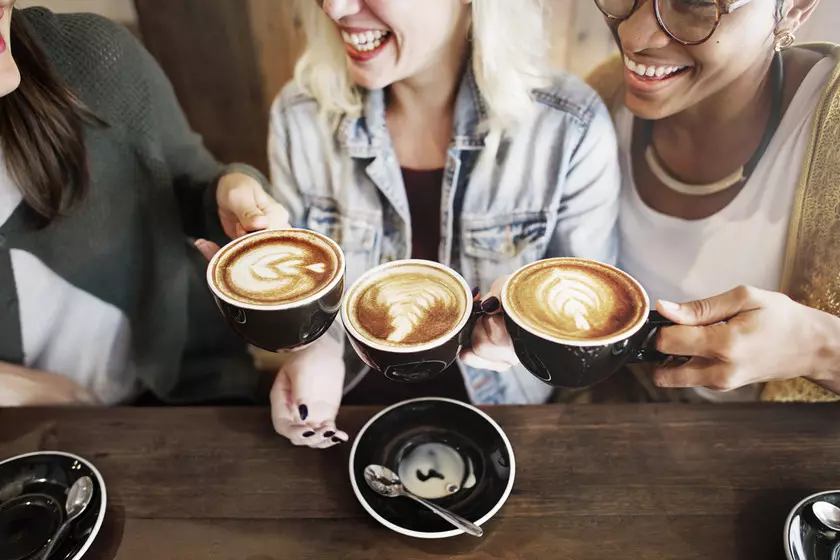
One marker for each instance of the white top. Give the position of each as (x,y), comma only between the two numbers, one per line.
(64,329)
(683,260)
(743,244)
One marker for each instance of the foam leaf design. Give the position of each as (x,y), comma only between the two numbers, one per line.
(283,268)
(571,296)
(409,304)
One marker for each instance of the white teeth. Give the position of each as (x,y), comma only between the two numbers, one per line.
(650,71)
(366,40)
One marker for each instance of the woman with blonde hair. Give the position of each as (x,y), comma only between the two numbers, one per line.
(434,130)
(731,176)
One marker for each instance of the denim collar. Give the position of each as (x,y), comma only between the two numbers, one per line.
(365,136)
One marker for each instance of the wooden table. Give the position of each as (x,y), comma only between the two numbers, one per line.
(599,482)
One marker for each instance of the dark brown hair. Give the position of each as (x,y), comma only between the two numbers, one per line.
(42,132)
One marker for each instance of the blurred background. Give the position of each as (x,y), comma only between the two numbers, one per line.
(227,59)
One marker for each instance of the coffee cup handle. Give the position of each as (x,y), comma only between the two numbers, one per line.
(647,352)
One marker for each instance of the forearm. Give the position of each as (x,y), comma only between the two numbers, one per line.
(21,386)
(826,372)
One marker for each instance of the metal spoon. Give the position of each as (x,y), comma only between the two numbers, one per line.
(80,495)
(828,514)
(385,482)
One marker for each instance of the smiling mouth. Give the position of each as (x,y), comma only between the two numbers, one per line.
(653,72)
(365,44)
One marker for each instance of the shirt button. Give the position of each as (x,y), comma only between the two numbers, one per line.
(2,241)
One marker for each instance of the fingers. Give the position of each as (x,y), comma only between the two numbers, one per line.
(697,373)
(242,202)
(307,394)
(276,215)
(711,342)
(492,305)
(207,248)
(492,347)
(294,420)
(714,309)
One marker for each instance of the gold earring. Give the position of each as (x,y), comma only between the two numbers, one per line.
(784,40)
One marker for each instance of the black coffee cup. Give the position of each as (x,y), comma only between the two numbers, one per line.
(581,363)
(414,363)
(283,326)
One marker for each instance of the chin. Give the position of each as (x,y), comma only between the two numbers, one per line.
(648,109)
(370,80)
(9,76)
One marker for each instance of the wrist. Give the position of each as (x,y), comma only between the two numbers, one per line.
(827,367)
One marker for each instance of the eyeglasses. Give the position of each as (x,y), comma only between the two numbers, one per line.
(690,22)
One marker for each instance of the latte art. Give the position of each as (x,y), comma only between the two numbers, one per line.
(574,299)
(407,304)
(277,267)
(410,305)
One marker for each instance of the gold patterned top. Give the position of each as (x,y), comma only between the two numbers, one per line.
(811,273)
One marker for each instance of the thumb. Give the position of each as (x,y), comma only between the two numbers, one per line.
(491,305)
(207,248)
(709,311)
(242,202)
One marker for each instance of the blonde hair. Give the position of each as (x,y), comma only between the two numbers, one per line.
(509,60)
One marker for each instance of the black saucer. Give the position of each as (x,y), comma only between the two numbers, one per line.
(805,537)
(33,492)
(444,450)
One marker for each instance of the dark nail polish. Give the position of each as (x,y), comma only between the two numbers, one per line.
(308,434)
(337,440)
(329,434)
(491,305)
(475,292)
(304,412)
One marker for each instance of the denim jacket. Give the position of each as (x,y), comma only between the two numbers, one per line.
(551,191)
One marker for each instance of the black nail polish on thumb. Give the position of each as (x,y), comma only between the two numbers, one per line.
(304,411)
(491,305)
(475,292)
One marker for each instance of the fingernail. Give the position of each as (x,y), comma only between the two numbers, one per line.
(329,434)
(475,292)
(669,305)
(337,440)
(308,434)
(304,412)
(491,305)
(200,243)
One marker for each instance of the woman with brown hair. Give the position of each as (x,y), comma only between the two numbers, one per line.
(731,177)
(99,299)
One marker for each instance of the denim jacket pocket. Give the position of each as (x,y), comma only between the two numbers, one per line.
(499,246)
(355,235)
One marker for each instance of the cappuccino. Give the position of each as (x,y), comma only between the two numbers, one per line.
(277,268)
(575,301)
(408,304)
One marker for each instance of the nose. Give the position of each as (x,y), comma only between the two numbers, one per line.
(641,31)
(338,9)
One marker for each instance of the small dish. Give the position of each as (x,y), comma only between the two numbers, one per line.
(805,537)
(33,492)
(443,450)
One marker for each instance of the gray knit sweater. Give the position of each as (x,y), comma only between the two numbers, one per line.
(125,244)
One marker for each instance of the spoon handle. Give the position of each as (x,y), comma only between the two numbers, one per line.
(55,539)
(467,526)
